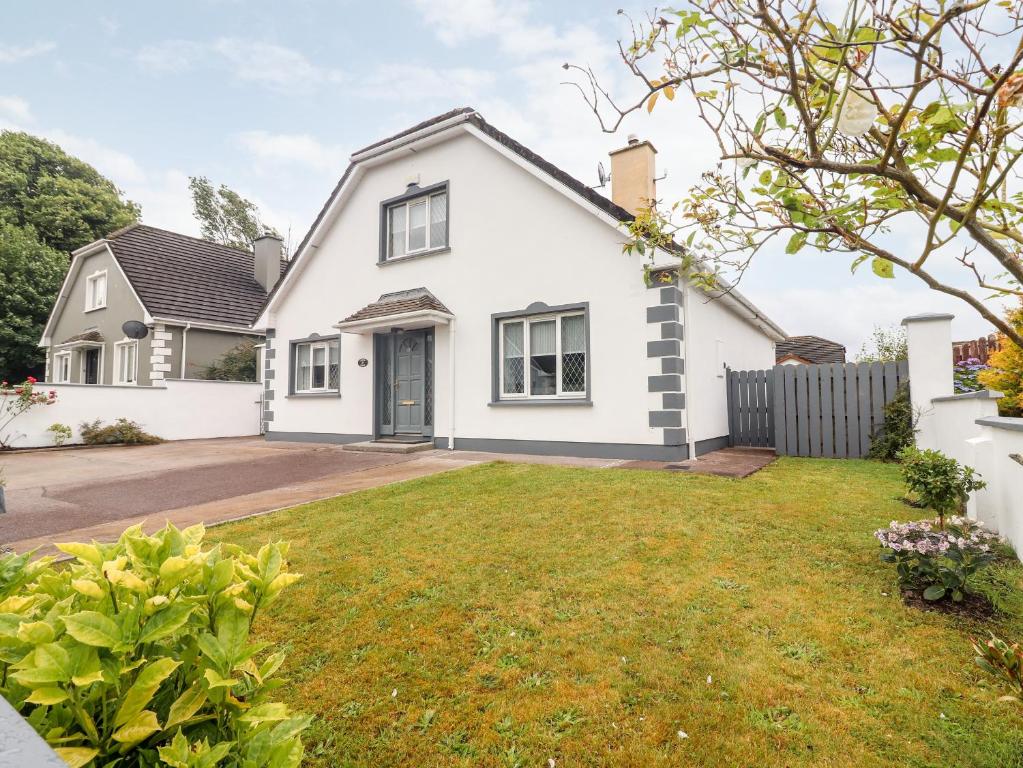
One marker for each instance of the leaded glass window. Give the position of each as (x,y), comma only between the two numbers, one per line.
(543,356)
(317,366)
(417,225)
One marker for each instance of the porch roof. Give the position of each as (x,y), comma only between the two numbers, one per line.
(409,309)
(88,339)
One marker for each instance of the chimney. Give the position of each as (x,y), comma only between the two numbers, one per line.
(632,175)
(268,251)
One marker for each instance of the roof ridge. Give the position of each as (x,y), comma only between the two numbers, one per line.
(203,240)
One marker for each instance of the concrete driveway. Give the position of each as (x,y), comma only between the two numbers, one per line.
(87,493)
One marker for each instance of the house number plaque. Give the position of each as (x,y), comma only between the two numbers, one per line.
(363,362)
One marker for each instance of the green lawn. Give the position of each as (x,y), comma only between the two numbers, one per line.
(508,614)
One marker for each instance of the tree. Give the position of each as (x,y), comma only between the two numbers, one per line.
(30,276)
(886,345)
(224,216)
(1005,371)
(50,204)
(237,364)
(66,201)
(833,131)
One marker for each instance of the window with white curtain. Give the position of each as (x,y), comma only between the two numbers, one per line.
(126,362)
(317,366)
(417,225)
(543,357)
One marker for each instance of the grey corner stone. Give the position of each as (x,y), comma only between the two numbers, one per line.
(671,330)
(673,365)
(662,313)
(271,354)
(675,436)
(268,416)
(671,295)
(664,383)
(270,374)
(271,333)
(673,401)
(665,418)
(268,394)
(664,348)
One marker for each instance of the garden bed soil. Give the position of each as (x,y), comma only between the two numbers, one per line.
(973,607)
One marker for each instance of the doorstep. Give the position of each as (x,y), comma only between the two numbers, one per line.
(390,446)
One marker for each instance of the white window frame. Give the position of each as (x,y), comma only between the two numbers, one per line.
(313,346)
(408,205)
(119,348)
(89,281)
(62,360)
(99,365)
(526,320)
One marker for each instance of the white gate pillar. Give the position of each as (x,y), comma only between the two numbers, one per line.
(929,341)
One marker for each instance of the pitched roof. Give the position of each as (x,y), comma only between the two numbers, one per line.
(93,335)
(399,303)
(182,277)
(813,349)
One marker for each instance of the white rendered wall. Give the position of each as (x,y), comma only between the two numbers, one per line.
(182,409)
(513,241)
(717,337)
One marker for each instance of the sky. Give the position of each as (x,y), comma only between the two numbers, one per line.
(271,98)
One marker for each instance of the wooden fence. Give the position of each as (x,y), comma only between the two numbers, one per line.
(831,410)
(978,349)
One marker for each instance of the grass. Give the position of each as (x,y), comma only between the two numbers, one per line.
(506,615)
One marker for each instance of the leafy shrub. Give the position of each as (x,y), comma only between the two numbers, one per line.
(16,400)
(121,431)
(1005,369)
(937,559)
(938,481)
(138,653)
(965,375)
(1004,661)
(898,428)
(237,364)
(61,433)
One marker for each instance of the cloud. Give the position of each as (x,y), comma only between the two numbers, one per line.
(300,148)
(12,53)
(266,64)
(15,108)
(412,82)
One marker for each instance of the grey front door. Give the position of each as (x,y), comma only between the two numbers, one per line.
(409,382)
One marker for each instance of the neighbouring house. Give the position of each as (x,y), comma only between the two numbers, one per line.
(196,299)
(458,290)
(976,349)
(808,350)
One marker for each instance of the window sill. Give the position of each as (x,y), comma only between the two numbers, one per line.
(412,256)
(329,393)
(95,309)
(526,402)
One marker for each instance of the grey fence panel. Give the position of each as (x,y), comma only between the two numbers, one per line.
(813,403)
(838,401)
(834,410)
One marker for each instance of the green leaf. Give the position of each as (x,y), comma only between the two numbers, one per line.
(138,729)
(93,628)
(882,267)
(944,155)
(934,592)
(36,633)
(214,651)
(186,705)
(223,574)
(166,622)
(47,696)
(144,688)
(263,713)
(174,570)
(779,117)
(87,553)
(76,757)
(796,242)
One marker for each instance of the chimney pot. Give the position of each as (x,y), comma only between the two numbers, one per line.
(632,175)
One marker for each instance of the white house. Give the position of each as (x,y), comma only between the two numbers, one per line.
(461,291)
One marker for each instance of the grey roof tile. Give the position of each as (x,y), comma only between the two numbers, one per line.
(399,302)
(813,349)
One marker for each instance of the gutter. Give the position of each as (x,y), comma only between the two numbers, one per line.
(410,138)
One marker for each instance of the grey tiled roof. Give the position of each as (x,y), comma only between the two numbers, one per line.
(813,349)
(93,335)
(182,277)
(399,302)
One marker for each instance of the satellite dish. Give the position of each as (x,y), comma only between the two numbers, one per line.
(133,329)
(602,175)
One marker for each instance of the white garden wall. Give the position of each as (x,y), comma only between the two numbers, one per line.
(183,409)
(966,427)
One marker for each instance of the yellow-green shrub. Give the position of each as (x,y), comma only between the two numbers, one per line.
(140,650)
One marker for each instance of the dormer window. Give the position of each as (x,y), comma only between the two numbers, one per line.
(415,223)
(96,291)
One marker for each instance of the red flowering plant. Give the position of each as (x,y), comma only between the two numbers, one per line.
(15,400)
